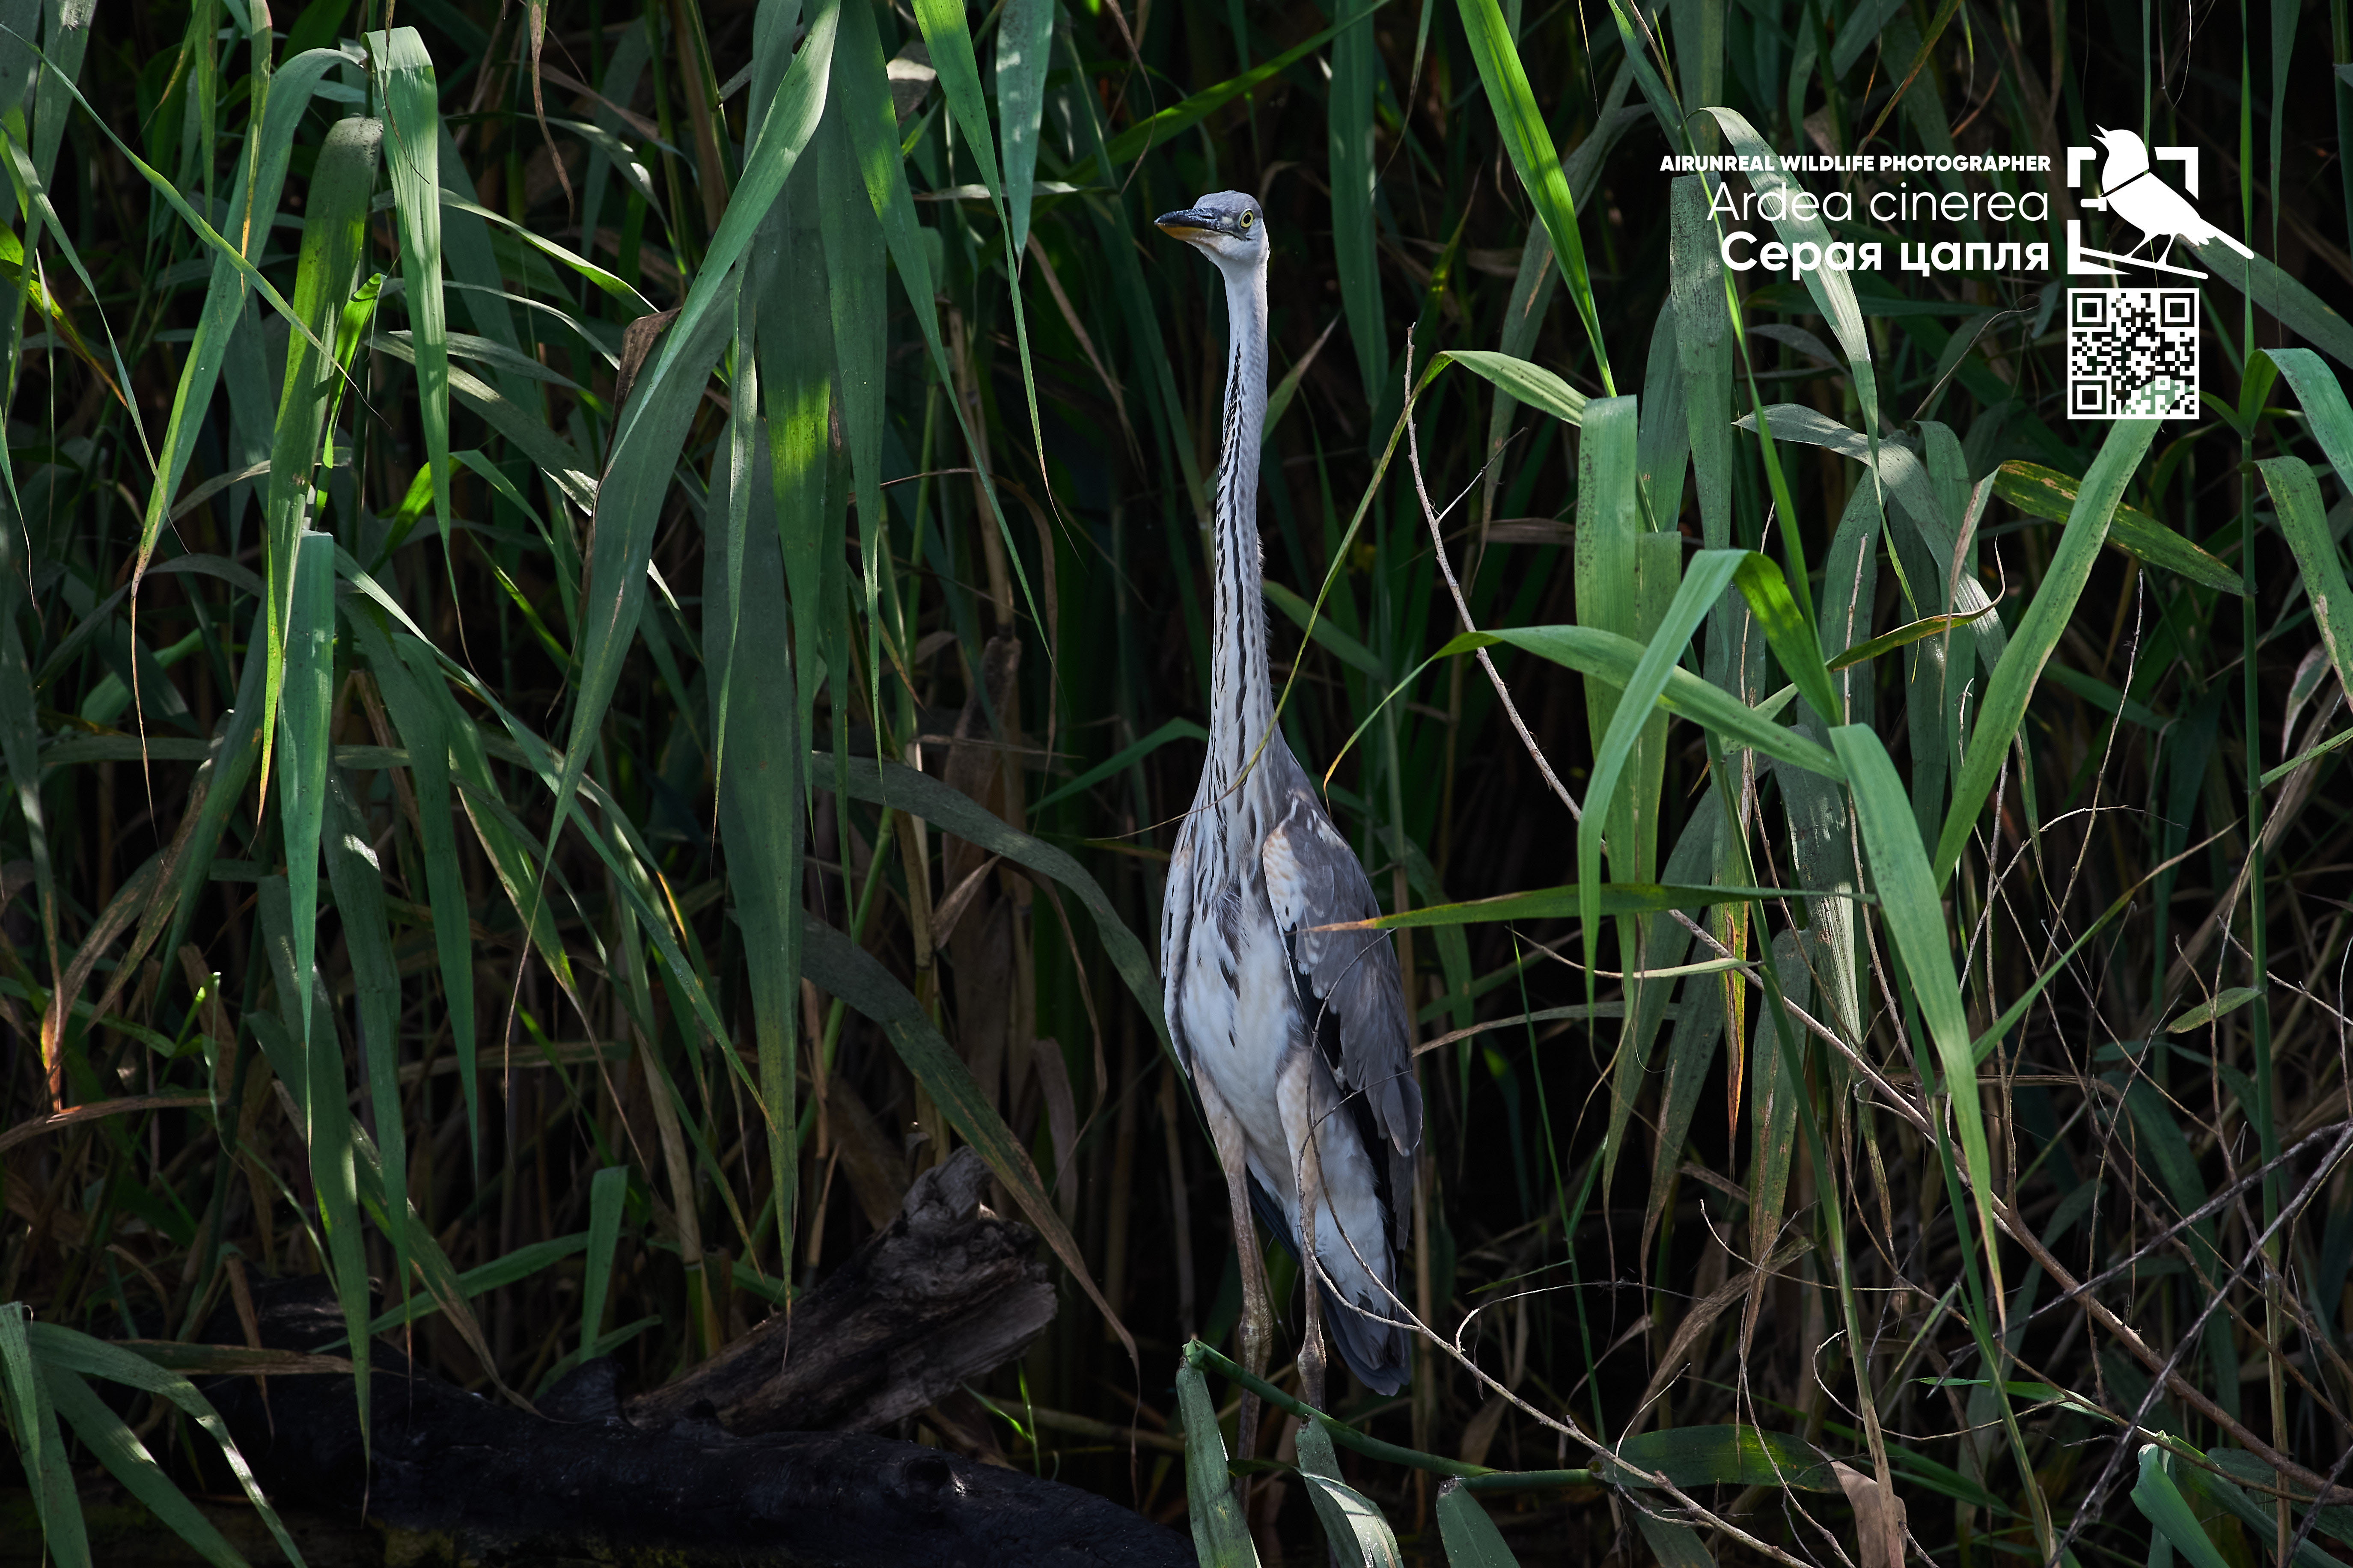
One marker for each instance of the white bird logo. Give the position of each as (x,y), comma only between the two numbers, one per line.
(2130,188)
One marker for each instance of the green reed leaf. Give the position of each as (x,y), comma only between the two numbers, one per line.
(1120,762)
(2296,498)
(2161,1503)
(56,1347)
(253,202)
(33,1421)
(1352,1524)
(232,754)
(855,286)
(2256,1516)
(531,1258)
(904,788)
(65,36)
(1537,277)
(796,366)
(841,967)
(1322,633)
(2038,632)
(1831,287)
(1221,1537)
(2323,398)
(549,452)
(608,1191)
(1613,659)
(1705,580)
(2046,493)
(418,723)
(412,111)
(1611,899)
(1727,1456)
(1522,123)
(103,1433)
(654,423)
(304,745)
(1165,125)
(357,878)
(1674,1544)
(1025,41)
(1902,637)
(950,41)
(335,233)
(2220,1004)
(1469,1536)
(1529,384)
(2297,307)
(33,193)
(557,253)
(1914,914)
(1357,76)
(763,809)
(1789,631)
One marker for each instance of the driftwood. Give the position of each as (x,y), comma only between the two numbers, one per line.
(946,1292)
(943,1295)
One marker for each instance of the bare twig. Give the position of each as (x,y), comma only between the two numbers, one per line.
(1462,606)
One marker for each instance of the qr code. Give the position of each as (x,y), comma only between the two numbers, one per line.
(2132,354)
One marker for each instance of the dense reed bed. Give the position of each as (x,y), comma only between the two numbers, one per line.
(605,628)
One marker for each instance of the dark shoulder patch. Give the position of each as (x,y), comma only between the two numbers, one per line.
(1318,1016)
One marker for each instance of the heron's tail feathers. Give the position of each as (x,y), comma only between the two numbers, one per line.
(1380,1355)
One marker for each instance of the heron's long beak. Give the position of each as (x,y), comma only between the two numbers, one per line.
(1189,225)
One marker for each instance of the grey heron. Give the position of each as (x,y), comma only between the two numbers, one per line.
(1295,1039)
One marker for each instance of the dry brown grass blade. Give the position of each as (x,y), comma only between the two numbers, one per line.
(877,1167)
(132,901)
(1698,1321)
(952,908)
(1878,1518)
(537,24)
(206,1361)
(160,911)
(35,1127)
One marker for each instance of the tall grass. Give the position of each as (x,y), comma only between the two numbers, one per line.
(605,626)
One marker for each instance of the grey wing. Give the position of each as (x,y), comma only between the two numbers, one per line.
(1348,981)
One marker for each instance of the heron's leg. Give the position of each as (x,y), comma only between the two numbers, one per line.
(1258,1317)
(1299,1130)
(1311,1361)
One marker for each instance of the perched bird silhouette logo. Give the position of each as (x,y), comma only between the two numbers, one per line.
(2133,349)
(2135,192)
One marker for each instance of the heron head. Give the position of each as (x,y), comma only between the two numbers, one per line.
(1228,226)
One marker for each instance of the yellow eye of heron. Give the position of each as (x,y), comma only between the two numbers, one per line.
(1249,218)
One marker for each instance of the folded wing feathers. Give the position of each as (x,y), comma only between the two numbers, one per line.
(1313,878)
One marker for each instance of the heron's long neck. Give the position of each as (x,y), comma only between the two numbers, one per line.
(1241,704)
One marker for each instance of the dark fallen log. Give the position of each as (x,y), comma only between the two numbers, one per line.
(944,1294)
(458,1479)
